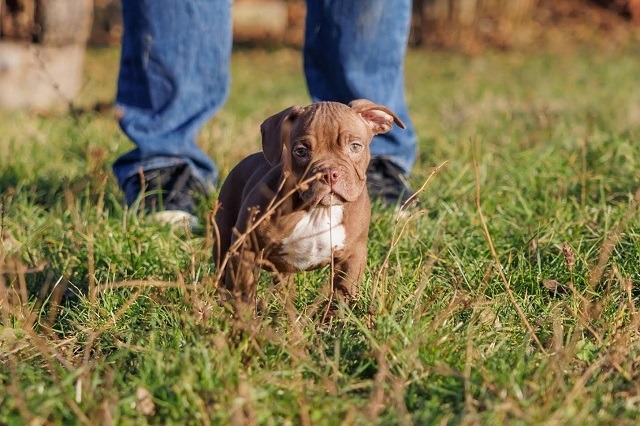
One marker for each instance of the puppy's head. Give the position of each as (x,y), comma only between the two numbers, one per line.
(327,141)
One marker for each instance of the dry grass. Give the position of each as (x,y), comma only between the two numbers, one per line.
(512,298)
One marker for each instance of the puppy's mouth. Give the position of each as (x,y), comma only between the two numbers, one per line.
(326,196)
(332,199)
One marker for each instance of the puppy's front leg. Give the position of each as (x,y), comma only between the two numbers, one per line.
(349,272)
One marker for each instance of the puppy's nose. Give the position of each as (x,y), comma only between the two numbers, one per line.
(330,176)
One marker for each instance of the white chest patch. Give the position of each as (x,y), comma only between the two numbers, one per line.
(312,241)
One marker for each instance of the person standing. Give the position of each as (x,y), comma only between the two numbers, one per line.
(174,76)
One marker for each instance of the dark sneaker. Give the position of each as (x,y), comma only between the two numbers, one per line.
(386,183)
(169,194)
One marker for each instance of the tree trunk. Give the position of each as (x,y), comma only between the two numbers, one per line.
(63,22)
(16,19)
(42,52)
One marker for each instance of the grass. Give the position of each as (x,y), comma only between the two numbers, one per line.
(513,297)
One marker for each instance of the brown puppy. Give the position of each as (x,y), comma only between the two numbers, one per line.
(302,203)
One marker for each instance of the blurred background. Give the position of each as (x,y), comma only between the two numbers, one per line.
(52,34)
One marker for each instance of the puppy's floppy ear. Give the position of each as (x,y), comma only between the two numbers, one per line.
(275,132)
(378,117)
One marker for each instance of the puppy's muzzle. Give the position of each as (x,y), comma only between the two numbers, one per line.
(330,176)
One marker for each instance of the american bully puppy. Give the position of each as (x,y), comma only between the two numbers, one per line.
(302,202)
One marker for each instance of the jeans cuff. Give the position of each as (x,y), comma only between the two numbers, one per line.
(128,176)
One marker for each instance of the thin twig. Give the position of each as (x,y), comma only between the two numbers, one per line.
(397,233)
(496,260)
(141,283)
(273,205)
(332,270)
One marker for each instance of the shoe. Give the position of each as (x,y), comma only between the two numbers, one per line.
(386,183)
(177,219)
(168,194)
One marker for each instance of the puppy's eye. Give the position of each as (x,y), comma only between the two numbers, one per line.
(300,151)
(355,147)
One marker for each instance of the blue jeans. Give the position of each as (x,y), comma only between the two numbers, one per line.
(174,75)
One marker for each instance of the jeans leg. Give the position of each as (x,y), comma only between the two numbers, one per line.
(174,75)
(355,49)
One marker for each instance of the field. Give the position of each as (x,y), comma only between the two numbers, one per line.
(512,297)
